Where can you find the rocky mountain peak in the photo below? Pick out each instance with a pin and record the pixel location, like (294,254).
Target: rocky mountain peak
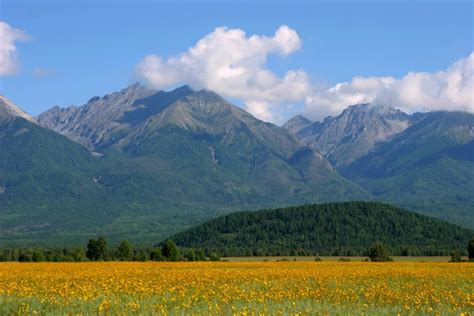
(374,110)
(352,133)
(296,124)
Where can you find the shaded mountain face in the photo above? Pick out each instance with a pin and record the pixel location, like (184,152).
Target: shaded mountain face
(167,160)
(353,133)
(208,140)
(428,167)
(46,183)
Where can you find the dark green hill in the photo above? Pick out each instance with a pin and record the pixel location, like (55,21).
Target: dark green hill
(429,167)
(334,228)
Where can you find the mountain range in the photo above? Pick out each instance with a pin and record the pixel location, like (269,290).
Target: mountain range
(159,162)
(423,161)
(145,164)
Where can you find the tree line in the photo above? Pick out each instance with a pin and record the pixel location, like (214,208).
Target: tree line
(98,250)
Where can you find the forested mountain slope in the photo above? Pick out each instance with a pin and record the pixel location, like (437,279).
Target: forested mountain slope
(325,229)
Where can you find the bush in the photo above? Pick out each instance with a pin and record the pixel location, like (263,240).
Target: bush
(379,253)
(214,257)
(156,255)
(38,256)
(79,255)
(456,256)
(191,255)
(170,251)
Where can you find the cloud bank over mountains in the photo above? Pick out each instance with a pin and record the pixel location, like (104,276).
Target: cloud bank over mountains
(234,65)
(450,89)
(9,60)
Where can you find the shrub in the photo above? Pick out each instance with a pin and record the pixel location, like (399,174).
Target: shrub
(456,256)
(379,253)
(214,257)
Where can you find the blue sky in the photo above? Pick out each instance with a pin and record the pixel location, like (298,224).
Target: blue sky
(79,49)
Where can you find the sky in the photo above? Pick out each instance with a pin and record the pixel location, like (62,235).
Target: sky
(275,59)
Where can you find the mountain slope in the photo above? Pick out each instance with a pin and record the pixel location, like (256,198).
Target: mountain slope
(334,228)
(226,155)
(46,182)
(158,163)
(353,133)
(429,167)
(9,110)
(296,124)
(53,191)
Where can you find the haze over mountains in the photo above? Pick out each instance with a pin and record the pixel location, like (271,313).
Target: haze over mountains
(145,164)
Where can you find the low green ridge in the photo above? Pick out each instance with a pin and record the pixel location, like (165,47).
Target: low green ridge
(347,228)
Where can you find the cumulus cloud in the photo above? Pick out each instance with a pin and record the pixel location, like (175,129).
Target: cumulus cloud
(9,61)
(451,89)
(233,64)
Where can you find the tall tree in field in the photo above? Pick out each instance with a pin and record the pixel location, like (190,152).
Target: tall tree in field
(170,251)
(97,249)
(125,251)
(470,250)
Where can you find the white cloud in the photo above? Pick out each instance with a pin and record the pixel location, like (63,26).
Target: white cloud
(451,89)
(234,65)
(9,62)
(230,63)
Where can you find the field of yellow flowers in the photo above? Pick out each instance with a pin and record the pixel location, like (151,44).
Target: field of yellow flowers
(239,288)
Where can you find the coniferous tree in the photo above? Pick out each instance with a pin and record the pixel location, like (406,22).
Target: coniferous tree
(97,249)
(470,250)
(125,251)
(170,251)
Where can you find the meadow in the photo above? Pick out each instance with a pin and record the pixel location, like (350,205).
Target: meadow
(237,288)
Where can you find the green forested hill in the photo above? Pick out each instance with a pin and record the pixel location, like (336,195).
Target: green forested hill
(334,228)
